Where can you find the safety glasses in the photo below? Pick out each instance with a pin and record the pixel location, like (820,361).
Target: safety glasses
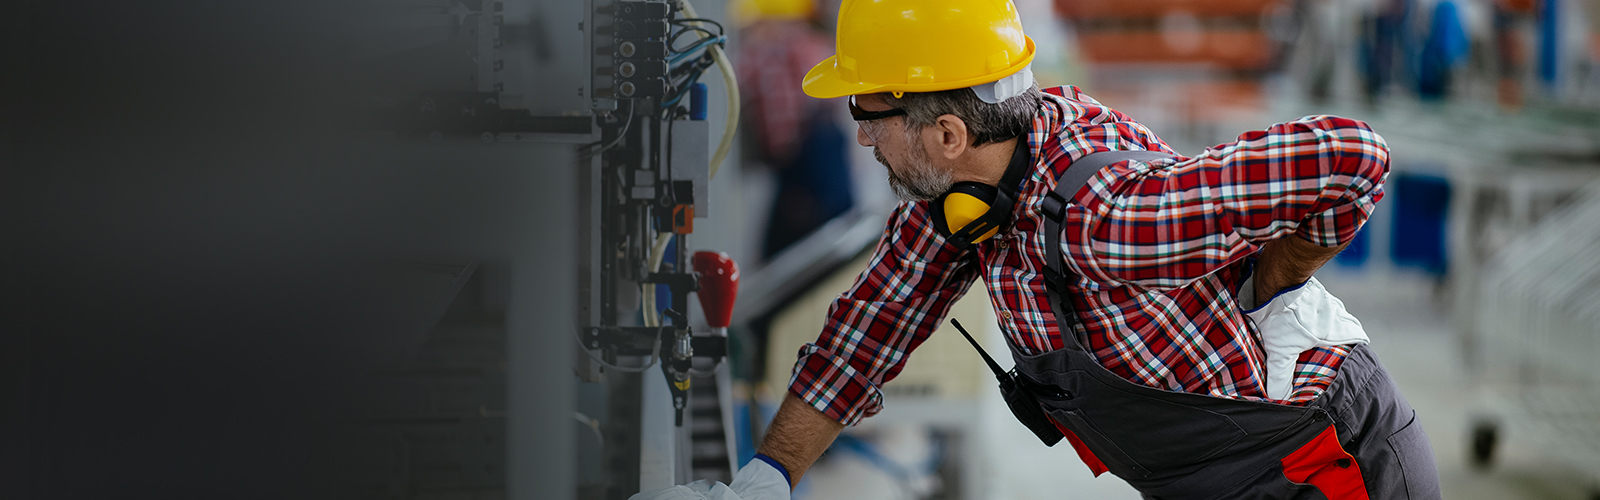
(862,115)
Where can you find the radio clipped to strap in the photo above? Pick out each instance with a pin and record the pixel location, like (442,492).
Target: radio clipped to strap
(1018,396)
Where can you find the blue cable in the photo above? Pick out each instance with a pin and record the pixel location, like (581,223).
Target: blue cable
(695,48)
(693,77)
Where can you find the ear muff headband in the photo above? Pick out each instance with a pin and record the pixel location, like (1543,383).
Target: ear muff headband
(971,212)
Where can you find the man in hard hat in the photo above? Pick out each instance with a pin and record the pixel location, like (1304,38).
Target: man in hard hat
(1123,275)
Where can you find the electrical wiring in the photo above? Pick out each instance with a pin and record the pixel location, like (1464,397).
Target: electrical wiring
(683,88)
(703,43)
(672,42)
(689,64)
(657,252)
(595,148)
(719,57)
(651,318)
(732,84)
(654,356)
(684,21)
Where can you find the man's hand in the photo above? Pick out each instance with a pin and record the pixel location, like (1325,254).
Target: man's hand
(798,435)
(1286,262)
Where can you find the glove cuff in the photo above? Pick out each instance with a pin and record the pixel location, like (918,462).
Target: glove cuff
(775,465)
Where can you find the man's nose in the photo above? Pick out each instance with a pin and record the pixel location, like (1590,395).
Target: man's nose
(861,135)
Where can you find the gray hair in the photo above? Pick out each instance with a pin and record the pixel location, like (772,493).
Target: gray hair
(987,123)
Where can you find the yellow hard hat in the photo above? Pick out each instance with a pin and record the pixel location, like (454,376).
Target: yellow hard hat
(748,11)
(921,46)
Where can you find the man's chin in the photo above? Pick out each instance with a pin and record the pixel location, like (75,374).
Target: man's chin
(906,194)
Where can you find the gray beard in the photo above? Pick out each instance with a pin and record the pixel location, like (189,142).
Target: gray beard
(919,180)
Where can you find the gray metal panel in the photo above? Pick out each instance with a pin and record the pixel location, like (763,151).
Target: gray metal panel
(545,57)
(691,160)
(539,443)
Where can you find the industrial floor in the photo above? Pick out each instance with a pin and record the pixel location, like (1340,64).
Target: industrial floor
(1410,334)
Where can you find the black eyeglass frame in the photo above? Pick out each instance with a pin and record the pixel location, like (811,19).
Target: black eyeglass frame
(862,115)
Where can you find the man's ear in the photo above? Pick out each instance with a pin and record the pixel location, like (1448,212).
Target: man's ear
(952,139)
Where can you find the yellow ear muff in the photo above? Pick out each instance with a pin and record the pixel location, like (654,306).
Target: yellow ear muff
(962,206)
(971,212)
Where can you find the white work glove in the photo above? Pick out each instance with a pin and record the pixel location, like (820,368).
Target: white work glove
(757,480)
(704,489)
(1295,321)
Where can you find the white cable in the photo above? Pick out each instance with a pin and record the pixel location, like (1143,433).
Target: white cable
(654,356)
(721,57)
(593,424)
(657,252)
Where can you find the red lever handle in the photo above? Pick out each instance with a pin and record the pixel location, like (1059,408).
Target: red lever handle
(719,285)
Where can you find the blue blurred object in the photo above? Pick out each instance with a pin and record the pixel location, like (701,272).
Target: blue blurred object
(903,473)
(813,187)
(697,101)
(1549,40)
(1421,206)
(1446,45)
(1355,254)
(744,444)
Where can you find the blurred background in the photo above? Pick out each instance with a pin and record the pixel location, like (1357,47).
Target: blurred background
(446,249)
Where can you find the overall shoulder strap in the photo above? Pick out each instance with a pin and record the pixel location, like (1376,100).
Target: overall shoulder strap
(1054,210)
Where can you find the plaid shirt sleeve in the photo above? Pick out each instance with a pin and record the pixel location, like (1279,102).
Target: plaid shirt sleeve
(1165,224)
(906,290)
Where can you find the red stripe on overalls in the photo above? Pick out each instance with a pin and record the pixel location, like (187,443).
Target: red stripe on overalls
(1325,464)
(1088,458)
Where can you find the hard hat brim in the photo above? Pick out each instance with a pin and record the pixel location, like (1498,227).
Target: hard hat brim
(824,81)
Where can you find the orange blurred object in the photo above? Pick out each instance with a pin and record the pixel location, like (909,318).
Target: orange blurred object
(1224,49)
(1136,9)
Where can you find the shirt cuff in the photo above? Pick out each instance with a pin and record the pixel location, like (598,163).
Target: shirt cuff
(1339,225)
(828,383)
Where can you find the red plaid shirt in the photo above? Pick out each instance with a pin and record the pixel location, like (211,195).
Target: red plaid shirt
(1158,248)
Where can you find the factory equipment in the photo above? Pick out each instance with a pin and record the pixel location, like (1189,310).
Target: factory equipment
(647,179)
(617,84)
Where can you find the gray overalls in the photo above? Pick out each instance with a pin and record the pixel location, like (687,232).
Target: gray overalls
(1358,439)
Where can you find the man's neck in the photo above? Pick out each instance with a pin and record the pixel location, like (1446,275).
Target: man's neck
(988,162)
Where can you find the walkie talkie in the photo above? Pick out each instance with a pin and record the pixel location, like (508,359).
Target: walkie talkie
(1021,400)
